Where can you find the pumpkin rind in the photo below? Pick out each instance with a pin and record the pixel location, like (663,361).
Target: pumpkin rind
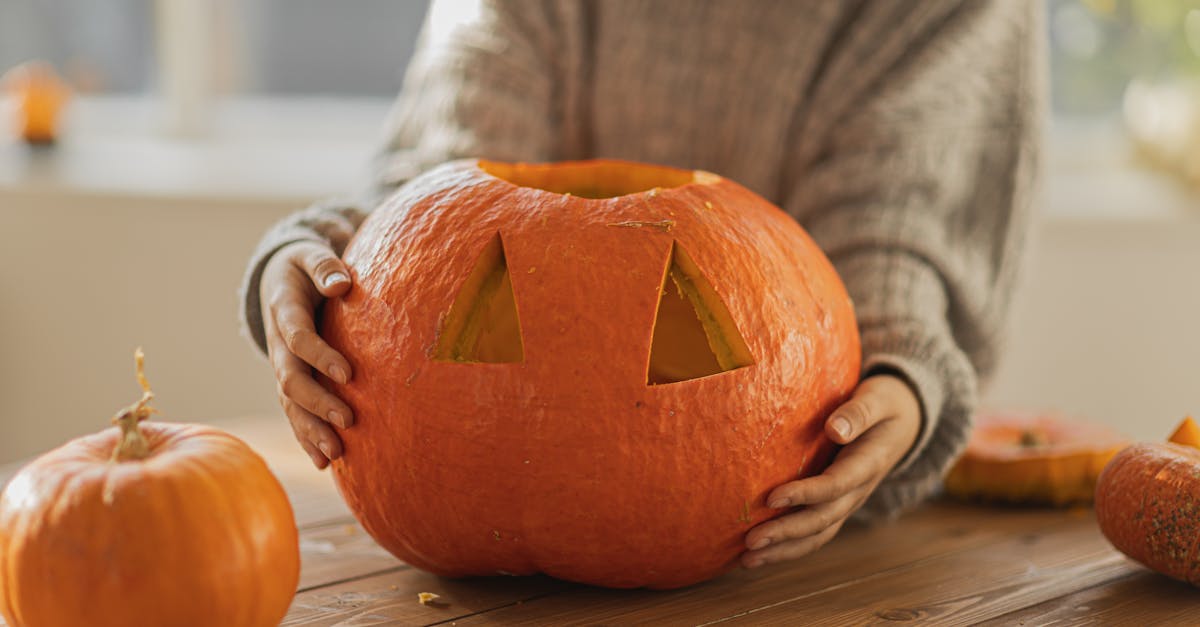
(1058,465)
(198,533)
(1148,506)
(567,462)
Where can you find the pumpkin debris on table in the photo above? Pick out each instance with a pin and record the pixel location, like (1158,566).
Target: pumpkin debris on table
(1148,505)
(147,524)
(616,417)
(1032,458)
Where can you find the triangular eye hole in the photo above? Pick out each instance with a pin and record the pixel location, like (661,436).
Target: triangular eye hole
(482,325)
(694,334)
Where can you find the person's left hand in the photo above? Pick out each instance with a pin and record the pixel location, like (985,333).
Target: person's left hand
(877,426)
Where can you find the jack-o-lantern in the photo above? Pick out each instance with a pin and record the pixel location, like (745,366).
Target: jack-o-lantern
(594,370)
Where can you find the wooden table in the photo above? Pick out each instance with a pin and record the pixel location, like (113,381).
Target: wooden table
(945,564)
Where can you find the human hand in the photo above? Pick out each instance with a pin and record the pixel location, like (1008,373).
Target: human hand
(877,426)
(295,280)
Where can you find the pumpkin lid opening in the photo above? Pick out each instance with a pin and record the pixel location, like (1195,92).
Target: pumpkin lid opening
(595,179)
(694,335)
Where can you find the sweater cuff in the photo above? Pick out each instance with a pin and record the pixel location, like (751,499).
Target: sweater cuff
(902,311)
(249,294)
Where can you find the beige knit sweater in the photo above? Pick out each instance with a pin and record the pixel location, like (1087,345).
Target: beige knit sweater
(902,135)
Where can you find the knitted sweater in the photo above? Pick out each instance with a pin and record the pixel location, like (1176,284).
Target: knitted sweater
(902,136)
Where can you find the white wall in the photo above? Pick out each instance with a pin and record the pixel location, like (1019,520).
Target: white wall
(1107,323)
(86,279)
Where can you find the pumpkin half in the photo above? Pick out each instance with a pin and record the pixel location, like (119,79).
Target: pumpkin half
(1148,505)
(1030,458)
(594,370)
(154,524)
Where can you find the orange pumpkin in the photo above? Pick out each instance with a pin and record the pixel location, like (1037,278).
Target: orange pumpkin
(1036,459)
(40,95)
(1148,506)
(161,524)
(594,370)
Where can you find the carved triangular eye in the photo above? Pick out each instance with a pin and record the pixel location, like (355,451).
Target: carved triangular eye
(694,335)
(482,325)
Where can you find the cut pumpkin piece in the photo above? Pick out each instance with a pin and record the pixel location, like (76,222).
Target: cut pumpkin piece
(1187,433)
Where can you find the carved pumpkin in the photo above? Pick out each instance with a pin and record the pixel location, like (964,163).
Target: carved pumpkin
(1036,459)
(594,370)
(161,524)
(1148,506)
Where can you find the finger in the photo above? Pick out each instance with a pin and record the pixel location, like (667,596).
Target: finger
(297,385)
(294,322)
(855,466)
(313,434)
(789,550)
(323,267)
(806,522)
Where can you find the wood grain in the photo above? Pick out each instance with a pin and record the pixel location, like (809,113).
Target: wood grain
(1141,598)
(858,553)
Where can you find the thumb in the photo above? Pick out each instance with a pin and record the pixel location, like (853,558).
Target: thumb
(328,273)
(870,404)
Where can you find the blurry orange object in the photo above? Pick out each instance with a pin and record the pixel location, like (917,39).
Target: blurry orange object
(40,96)
(1187,433)
(1033,458)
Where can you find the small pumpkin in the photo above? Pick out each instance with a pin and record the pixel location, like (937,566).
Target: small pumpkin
(155,524)
(40,96)
(1148,505)
(1032,458)
(594,370)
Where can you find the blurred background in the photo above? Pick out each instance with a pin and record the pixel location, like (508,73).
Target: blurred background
(192,125)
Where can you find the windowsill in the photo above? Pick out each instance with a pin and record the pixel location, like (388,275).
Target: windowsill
(295,150)
(292,150)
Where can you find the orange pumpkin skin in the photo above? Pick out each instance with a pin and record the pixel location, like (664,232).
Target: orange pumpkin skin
(569,463)
(199,533)
(1035,459)
(1148,506)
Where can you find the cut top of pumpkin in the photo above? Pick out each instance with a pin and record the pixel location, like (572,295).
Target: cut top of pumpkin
(595,179)
(1187,433)
(1017,436)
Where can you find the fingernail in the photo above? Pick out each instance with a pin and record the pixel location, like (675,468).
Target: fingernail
(779,503)
(325,449)
(317,460)
(336,418)
(754,563)
(841,426)
(335,278)
(760,544)
(339,374)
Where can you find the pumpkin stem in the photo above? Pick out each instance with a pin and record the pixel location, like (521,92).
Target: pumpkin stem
(133,444)
(1032,439)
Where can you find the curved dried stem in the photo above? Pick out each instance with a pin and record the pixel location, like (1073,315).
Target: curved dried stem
(133,444)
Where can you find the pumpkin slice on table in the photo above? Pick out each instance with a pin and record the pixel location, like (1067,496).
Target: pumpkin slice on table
(1148,504)
(1031,458)
(154,524)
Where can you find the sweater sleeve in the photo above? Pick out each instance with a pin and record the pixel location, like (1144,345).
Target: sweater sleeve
(915,176)
(480,84)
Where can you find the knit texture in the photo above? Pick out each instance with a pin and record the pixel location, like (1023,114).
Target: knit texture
(903,136)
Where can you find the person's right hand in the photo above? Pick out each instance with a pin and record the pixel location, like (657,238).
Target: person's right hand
(295,280)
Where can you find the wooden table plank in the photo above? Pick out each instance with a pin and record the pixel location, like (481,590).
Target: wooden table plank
(962,588)
(857,553)
(391,599)
(1142,598)
(340,551)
